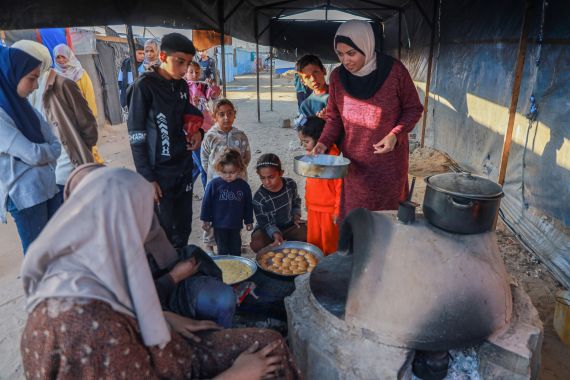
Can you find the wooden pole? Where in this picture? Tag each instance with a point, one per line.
(519, 66)
(222, 22)
(256, 28)
(132, 53)
(428, 80)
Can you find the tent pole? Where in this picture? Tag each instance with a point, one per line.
(399, 35)
(519, 66)
(428, 80)
(271, 77)
(256, 28)
(132, 53)
(222, 38)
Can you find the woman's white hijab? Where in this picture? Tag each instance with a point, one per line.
(361, 33)
(73, 68)
(93, 248)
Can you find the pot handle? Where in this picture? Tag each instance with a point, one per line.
(459, 205)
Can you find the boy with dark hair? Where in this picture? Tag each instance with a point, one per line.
(312, 72)
(125, 78)
(163, 128)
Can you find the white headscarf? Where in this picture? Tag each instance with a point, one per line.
(72, 69)
(93, 248)
(362, 35)
(36, 50)
(41, 53)
(156, 62)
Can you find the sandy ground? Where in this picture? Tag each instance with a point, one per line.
(267, 136)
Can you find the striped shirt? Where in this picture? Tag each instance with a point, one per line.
(275, 210)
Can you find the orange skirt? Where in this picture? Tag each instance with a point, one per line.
(321, 231)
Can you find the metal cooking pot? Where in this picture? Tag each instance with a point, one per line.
(461, 202)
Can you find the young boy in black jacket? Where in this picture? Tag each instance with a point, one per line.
(164, 127)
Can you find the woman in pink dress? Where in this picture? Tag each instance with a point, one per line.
(373, 105)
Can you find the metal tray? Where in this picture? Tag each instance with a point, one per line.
(249, 262)
(321, 166)
(310, 248)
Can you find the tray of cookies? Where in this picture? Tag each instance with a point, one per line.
(289, 259)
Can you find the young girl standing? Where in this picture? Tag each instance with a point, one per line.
(227, 204)
(28, 148)
(277, 206)
(322, 196)
(221, 136)
(200, 94)
(224, 135)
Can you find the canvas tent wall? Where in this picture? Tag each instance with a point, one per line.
(473, 65)
(469, 100)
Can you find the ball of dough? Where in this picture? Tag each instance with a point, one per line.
(287, 271)
(286, 260)
(294, 250)
(310, 269)
(279, 255)
(291, 255)
(299, 258)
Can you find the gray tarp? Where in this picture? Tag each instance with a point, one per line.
(468, 110)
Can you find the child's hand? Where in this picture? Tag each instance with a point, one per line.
(249, 227)
(335, 219)
(277, 239)
(195, 141)
(319, 148)
(297, 220)
(322, 113)
(206, 226)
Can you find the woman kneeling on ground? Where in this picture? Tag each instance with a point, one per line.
(93, 308)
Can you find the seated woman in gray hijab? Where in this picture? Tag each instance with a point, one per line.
(189, 283)
(93, 308)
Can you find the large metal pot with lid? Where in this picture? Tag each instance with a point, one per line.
(461, 202)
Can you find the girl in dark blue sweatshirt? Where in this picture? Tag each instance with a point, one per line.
(227, 203)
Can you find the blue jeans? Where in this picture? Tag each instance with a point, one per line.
(31, 221)
(198, 169)
(213, 300)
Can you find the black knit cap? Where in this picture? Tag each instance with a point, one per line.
(176, 42)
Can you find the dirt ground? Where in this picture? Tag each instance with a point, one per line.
(268, 136)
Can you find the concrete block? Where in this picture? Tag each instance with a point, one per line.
(514, 352)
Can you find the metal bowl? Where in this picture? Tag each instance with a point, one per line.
(310, 248)
(248, 262)
(321, 166)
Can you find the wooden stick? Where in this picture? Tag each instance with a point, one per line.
(519, 66)
(428, 80)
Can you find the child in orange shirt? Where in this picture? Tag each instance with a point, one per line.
(322, 196)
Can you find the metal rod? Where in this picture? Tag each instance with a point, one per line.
(519, 66)
(256, 28)
(132, 53)
(271, 77)
(400, 35)
(428, 80)
(223, 47)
